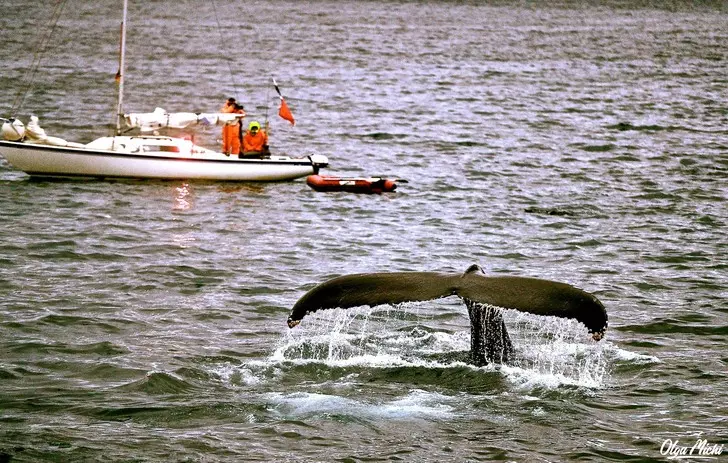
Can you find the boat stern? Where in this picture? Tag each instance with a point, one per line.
(318, 161)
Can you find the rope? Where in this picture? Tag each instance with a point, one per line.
(39, 49)
(232, 74)
(222, 40)
(267, 108)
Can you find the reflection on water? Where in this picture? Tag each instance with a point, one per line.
(183, 197)
(183, 235)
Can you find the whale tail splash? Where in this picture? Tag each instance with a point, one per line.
(484, 297)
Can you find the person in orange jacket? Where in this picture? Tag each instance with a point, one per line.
(231, 131)
(229, 106)
(255, 141)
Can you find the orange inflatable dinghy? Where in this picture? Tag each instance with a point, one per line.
(351, 184)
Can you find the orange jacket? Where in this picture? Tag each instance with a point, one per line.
(255, 142)
(231, 131)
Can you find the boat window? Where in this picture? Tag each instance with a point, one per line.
(163, 148)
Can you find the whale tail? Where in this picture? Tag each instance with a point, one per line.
(483, 295)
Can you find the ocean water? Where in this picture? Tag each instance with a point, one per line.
(583, 142)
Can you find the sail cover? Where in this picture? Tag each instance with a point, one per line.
(159, 119)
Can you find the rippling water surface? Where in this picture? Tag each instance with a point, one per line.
(145, 321)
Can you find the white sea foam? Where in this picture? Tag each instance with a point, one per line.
(550, 352)
(415, 403)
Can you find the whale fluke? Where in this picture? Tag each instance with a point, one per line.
(483, 295)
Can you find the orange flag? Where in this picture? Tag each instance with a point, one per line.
(285, 113)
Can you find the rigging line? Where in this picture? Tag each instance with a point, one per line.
(39, 50)
(222, 40)
(267, 108)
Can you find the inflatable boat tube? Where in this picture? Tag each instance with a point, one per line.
(326, 183)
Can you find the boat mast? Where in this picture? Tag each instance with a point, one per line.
(122, 53)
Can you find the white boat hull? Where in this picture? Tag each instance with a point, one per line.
(54, 161)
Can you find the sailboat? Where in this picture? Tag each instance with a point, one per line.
(30, 149)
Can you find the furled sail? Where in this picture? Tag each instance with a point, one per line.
(160, 119)
(14, 130)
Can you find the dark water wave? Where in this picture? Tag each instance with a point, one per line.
(676, 326)
(623, 126)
